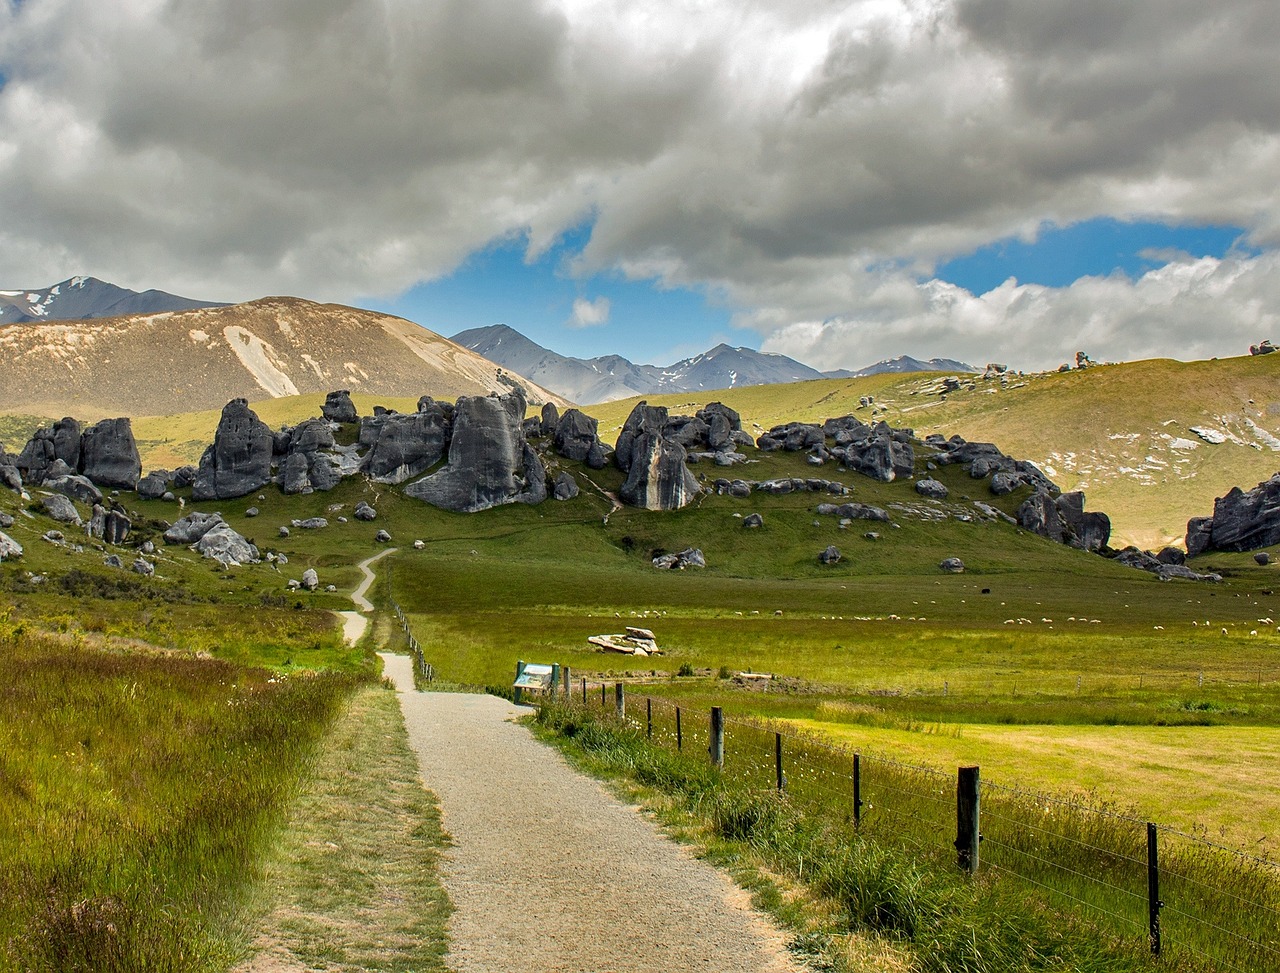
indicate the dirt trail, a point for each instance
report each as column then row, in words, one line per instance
column 353, row 622
column 550, row 873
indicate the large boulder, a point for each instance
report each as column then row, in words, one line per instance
column 154, row 485
column 305, row 468
column 223, row 544
column 239, row 461
column 36, row 457
column 10, row 477
column 9, row 548
column 404, row 446
column 550, row 419
column 1063, row 519
column 722, row 422
column 111, row 526
column 931, row 488
column 879, row 452
column 191, row 528
column 576, row 437
column 566, row 487
column 657, row 477
column 61, row 509
column 67, row 434
column 792, row 437
column 109, row 455
column 690, row 557
column 1241, row 521
column 74, row 486
column 338, row 407
column 489, row 461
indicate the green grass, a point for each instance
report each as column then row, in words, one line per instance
column 353, row 883
column 138, row 792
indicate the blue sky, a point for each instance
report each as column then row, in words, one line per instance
column 647, row 323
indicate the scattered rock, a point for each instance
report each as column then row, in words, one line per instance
column 10, row 550
column 752, row 520
column 110, row 526
column 144, row 568
column 1264, row 347
column 310, row 523
column 690, row 557
column 853, row 511
column 283, row 532
column 933, row 489
column 53, row 536
column 1241, row 521
column 952, row 565
column 1262, row 558
column 382, row 537
column 419, row 545
column 6, row 520
column 223, row 544
column 61, row 509
column 112, row 561
column 310, row 580
column 76, row 487
column 566, row 487
column 191, row 528
column 830, row 556
column 404, row 446
column 154, row 485
column 364, row 512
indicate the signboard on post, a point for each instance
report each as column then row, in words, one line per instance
column 534, row 676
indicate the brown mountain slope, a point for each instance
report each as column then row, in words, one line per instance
column 193, row 360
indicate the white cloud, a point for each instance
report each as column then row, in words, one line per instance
column 778, row 155
column 589, row 314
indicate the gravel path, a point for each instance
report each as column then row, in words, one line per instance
column 550, row 873
column 355, row 623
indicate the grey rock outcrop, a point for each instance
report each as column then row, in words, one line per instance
column 74, row 486
column 310, row 580
column 306, row 466
column 309, row 523
column 143, row 567
column 932, row 489
column 154, row 485
column 10, row 550
column 109, row 454
column 952, row 565
column 792, row 437
column 690, row 557
column 191, row 528
column 566, row 487
column 1063, row 519
column 1171, row 555
column 1134, row 558
column 550, row 418
column 657, row 477
column 721, row 422
column 830, row 556
column 338, row 407
column 986, row 460
column 404, row 446
column 752, row 520
column 110, row 526
column 61, row 509
column 10, row 476
column 1262, row 559
column 1241, row 521
column 239, row 461
column 489, row 461
column 225, row 545
column 879, row 451
column 36, row 457
column 576, row 437
column 112, row 561
column 853, row 511
column 364, row 512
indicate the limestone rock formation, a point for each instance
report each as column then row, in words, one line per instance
column 489, row 461
column 550, row 418
column 154, row 485
column 191, row 528
column 110, row 526
column 338, row 407
column 575, row 437
column 752, row 520
column 657, row 477
column 566, row 487
column 223, row 544
column 365, row 512
column 61, row 509
column 952, row 565
column 830, row 556
column 1063, row 519
column 404, row 446
column 1241, row 521
column 74, row 486
column 10, row 550
column 239, row 461
column 932, row 489
column 306, row 466
column 109, row 454
column 690, row 557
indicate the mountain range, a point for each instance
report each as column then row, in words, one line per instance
column 80, row 298
column 612, row 377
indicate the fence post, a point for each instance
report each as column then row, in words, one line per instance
column 604, row 694
column 679, row 732
column 857, row 791
column 777, row 762
column 567, row 681
column 967, row 833
column 648, row 718
column 716, row 749
column 619, row 701
column 519, row 694
column 1154, row 905
column 584, row 692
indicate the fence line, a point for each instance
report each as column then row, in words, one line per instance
column 1185, row 895
column 423, row 668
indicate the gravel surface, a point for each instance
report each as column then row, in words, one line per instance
column 551, row 872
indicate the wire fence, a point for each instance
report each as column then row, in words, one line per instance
column 1197, row 904
column 422, row 668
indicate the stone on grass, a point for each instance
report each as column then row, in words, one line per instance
column 690, row 557
column 310, row 523
column 112, row 561
column 61, row 509
column 1262, row 557
column 365, row 512
column 144, row 568
column 931, row 488
column 191, row 528
column 310, row 580
column 830, row 556
column 752, row 520
column 952, row 565
column 382, row 537
column 9, row 548
column 224, row 545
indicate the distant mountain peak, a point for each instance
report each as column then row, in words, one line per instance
column 82, row 298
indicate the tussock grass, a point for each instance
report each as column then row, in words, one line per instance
column 137, row 792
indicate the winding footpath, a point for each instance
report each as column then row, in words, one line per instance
column 549, row 872
column 354, row 623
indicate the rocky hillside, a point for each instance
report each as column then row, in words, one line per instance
column 87, row 297
column 179, row 362
column 612, row 377
column 1153, row 442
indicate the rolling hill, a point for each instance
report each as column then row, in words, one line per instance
column 1125, row 434
column 178, row 362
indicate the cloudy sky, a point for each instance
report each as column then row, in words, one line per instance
column 1008, row 180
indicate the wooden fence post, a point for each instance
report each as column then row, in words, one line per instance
column 519, row 694
column 777, row 762
column 584, row 692
column 967, row 833
column 1154, row 905
column 619, row 701
column 648, row 718
column 604, row 695
column 567, row 682
column 716, row 749
column 679, row 732
column 857, row 791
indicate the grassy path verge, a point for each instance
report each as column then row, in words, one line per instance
column 353, row 883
